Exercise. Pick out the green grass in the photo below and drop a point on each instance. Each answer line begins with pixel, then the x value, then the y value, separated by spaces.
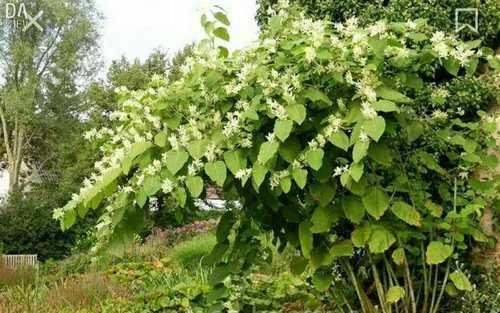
pixel 189 254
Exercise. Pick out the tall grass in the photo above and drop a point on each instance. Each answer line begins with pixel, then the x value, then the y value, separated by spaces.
pixel 190 253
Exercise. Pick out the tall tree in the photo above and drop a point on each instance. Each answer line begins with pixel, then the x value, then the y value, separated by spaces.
pixel 43 70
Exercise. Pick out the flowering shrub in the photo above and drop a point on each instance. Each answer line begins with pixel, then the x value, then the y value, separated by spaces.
pixel 338 139
pixel 172 235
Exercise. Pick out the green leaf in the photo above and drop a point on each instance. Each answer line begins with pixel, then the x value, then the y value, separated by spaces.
pixel 137 149
pixel 161 139
pixel 151 185
pixel 414 131
pixel 290 149
pixel 322 280
pixel 267 151
pixel 297 112
pixel 221 17
pixel 385 106
pixel 322 194
pixel 283 128
pixel 197 148
pixel 435 209
pixel 286 184
pixel 398 256
pixel 217 172
pixel 340 140
pixel 407 213
pixel 357 171
pixel 361 235
pixel 258 175
pixel 380 153
pixel 298 265
pixel 221 32
pixel 437 252
pixel 176 160
pixel 394 294
pixel 391 94
pixel 322 220
pixel 195 185
pixel 375 127
pixel 68 219
pixel 452 65
pixel 376 202
pixel 360 150
pixel 300 177
pixel 378 45
pixel 306 238
pixel 181 196
pixel 317 95
pixel 314 158
pixel 460 281
pixel 381 240
pixel 235 161
pixel 342 249
pixel 353 209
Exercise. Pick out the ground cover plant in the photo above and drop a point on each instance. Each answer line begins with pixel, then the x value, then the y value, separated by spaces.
pixel 339 140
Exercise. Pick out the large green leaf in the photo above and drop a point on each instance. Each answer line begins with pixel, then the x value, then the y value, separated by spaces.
pixel 353 208
pixel 391 94
pixel 361 235
pixel 342 249
pixel 259 172
pixel 300 177
pixel 290 149
pixel 385 106
pixel 322 220
pixel 151 185
pixel 398 256
pixel 322 194
pixel 267 151
pixel 460 281
pixel 394 294
pixel 314 158
pixel 197 148
pixel 217 172
pixel 357 171
pixel 221 33
pixel 283 128
pixel 376 202
pixel 375 127
pixel 380 240
pixel 195 185
pixel 176 160
pixel 322 280
pixel 137 149
pixel 360 150
pixel 235 160
pixel 437 252
pixel 306 238
pixel 297 112
pixel 407 213
pixel 340 140
pixel 317 95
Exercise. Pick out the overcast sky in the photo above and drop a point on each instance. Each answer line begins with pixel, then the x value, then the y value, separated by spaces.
pixel 135 28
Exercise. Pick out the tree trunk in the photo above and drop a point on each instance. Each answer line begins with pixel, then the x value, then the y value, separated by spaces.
pixel 14 142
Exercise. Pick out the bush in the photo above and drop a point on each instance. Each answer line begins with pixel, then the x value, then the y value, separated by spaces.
pixel 439 13
pixel 322 136
pixel 27 227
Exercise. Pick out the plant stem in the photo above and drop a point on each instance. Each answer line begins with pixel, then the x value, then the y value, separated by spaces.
pixel 378 284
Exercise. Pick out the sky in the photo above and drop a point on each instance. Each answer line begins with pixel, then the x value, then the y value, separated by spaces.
pixel 135 28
